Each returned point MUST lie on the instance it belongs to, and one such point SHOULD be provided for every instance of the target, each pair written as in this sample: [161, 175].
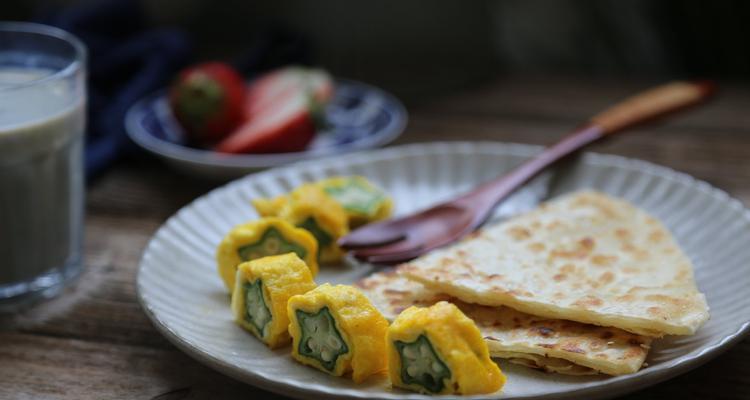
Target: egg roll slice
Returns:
[337, 330]
[554, 345]
[269, 207]
[438, 350]
[262, 288]
[362, 201]
[310, 208]
[261, 238]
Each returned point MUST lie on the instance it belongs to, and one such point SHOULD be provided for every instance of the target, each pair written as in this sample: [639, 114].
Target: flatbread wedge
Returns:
[584, 257]
[564, 347]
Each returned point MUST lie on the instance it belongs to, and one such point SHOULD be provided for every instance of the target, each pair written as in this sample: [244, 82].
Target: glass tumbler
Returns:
[42, 120]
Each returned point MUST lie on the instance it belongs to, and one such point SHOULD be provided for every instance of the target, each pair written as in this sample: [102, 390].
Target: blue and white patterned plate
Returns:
[359, 117]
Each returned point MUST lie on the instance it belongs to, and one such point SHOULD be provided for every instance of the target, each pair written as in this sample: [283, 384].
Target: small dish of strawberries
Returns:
[213, 122]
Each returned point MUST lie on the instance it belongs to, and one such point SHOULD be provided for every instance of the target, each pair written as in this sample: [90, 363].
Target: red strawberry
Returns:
[282, 109]
[208, 101]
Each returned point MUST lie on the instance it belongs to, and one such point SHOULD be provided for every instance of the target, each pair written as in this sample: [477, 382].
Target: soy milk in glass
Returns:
[42, 120]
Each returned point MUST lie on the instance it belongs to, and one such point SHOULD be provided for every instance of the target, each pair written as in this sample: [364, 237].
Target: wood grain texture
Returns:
[95, 342]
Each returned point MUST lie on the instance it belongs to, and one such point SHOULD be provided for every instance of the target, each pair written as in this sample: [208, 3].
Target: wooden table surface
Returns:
[94, 342]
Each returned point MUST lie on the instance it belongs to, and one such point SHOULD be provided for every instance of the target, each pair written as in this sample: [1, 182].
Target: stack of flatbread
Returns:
[581, 285]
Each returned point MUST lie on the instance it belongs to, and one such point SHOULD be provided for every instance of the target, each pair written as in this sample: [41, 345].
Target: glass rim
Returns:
[76, 64]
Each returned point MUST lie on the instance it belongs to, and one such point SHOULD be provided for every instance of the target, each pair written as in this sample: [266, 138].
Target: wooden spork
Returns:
[401, 239]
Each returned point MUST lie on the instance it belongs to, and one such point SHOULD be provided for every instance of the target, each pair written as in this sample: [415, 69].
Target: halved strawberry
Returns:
[208, 99]
[282, 110]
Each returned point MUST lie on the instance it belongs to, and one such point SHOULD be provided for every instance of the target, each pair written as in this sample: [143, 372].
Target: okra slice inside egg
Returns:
[309, 207]
[337, 330]
[421, 365]
[271, 243]
[355, 194]
[320, 338]
[256, 309]
[262, 289]
[265, 237]
[439, 350]
[311, 225]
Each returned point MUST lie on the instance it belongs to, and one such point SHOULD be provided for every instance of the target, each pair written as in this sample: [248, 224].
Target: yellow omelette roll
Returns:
[310, 208]
[439, 350]
[362, 201]
[262, 288]
[261, 238]
[336, 330]
[269, 207]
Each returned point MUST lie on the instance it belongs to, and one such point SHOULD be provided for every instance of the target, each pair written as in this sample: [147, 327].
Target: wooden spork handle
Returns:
[644, 107]
[652, 104]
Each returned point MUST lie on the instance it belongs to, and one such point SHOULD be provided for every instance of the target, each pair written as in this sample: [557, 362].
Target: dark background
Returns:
[427, 47]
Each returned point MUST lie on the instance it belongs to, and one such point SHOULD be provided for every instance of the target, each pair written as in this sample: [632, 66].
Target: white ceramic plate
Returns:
[182, 294]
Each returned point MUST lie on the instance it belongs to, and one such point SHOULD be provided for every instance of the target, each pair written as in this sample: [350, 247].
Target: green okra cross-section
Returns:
[270, 244]
[421, 365]
[311, 225]
[256, 309]
[356, 197]
[320, 339]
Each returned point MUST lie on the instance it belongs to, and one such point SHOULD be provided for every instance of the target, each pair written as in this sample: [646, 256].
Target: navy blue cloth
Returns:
[126, 62]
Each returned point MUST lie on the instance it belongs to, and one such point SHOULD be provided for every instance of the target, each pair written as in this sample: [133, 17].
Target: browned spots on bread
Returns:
[567, 269]
[519, 233]
[536, 247]
[572, 348]
[626, 297]
[623, 234]
[544, 331]
[668, 300]
[634, 352]
[606, 277]
[582, 249]
[588, 301]
[655, 311]
[554, 225]
[682, 274]
[559, 277]
[634, 342]
[365, 284]
[519, 293]
[405, 268]
[656, 236]
[448, 262]
[641, 255]
[603, 260]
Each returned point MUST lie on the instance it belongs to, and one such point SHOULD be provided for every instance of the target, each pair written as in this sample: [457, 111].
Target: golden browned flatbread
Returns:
[559, 346]
[584, 257]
